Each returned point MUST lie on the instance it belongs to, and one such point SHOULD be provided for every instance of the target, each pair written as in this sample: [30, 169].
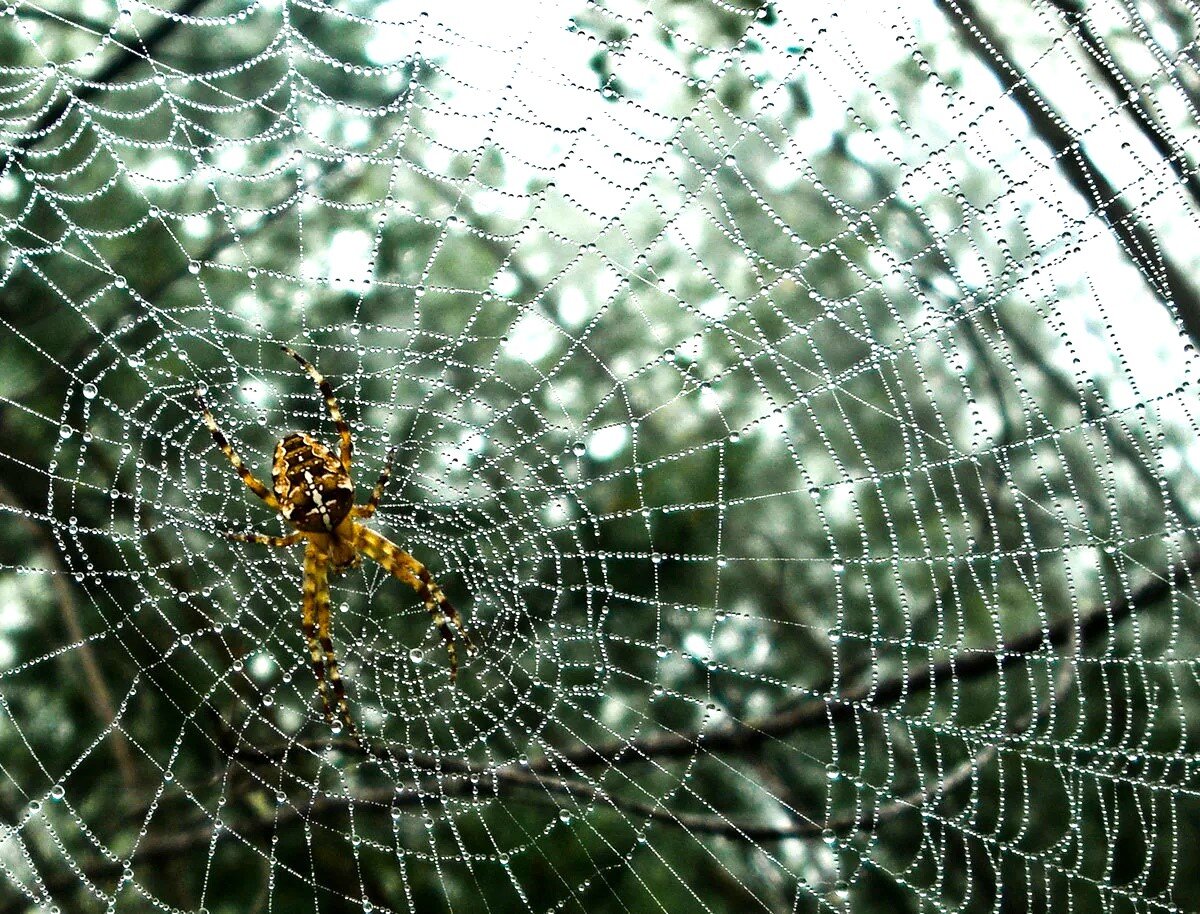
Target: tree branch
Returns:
[825, 710]
[113, 70]
[1170, 284]
[497, 781]
[97, 693]
[1126, 94]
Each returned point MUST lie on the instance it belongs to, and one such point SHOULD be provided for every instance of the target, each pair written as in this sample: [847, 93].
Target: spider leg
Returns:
[316, 565]
[330, 401]
[253, 482]
[403, 566]
[372, 503]
[264, 540]
[334, 674]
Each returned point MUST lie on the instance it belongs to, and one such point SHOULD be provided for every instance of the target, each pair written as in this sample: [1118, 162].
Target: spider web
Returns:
[797, 401]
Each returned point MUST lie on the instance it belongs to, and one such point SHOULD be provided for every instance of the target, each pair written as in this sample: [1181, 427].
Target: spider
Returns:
[314, 493]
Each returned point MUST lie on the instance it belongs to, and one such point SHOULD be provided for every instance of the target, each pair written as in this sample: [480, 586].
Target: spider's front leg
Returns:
[369, 507]
[252, 482]
[331, 404]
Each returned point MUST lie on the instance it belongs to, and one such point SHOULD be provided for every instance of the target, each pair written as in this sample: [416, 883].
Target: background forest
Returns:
[798, 401]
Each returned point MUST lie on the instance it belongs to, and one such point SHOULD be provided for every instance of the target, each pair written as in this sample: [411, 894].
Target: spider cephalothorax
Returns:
[314, 493]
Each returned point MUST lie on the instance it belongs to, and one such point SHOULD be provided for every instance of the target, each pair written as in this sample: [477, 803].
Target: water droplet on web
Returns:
[416, 655]
[90, 391]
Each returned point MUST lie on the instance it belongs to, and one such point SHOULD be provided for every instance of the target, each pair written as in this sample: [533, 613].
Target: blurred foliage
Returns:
[848, 434]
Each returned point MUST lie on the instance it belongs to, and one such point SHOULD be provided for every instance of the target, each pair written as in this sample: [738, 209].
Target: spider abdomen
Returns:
[314, 490]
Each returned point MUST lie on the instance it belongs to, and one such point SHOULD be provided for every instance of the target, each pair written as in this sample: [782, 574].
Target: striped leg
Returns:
[367, 509]
[334, 674]
[403, 566]
[330, 401]
[264, 540]
[253, 482]
[316, 565]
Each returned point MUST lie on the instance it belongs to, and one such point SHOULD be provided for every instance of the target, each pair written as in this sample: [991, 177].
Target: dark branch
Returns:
[116, 68]
[1171, 284]
[825, 710]
[1126, 94]
[97, 693]
[500, 781]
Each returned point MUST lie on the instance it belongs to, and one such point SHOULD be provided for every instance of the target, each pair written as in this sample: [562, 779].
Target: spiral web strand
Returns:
[796, 401]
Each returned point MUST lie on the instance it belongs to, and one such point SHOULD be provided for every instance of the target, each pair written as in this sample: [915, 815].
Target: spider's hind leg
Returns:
[264, 539]
[441, 610]
[320, 643]
[403, 566]
[315, 582]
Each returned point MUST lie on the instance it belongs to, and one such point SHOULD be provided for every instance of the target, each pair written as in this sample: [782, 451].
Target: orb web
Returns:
[796, 403]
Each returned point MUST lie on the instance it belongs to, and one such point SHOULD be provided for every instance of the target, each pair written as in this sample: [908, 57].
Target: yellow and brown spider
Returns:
[314, 493]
